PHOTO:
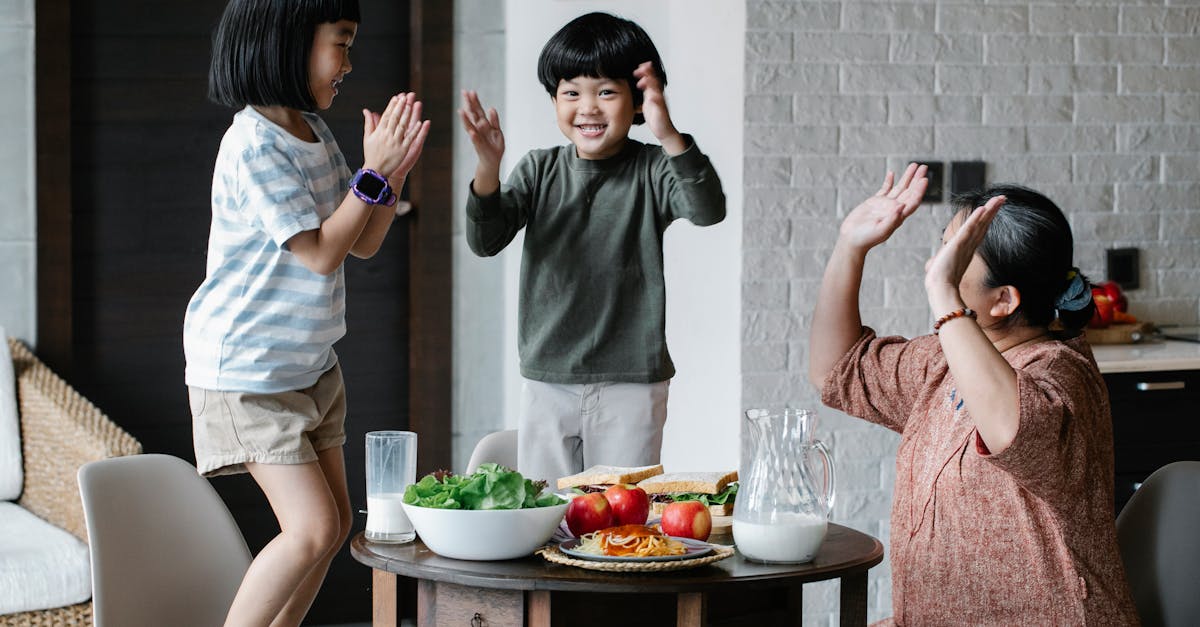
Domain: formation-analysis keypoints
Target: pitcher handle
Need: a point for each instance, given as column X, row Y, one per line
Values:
column 827, row 462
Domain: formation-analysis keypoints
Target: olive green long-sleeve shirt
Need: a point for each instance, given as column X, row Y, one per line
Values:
column 592, row 304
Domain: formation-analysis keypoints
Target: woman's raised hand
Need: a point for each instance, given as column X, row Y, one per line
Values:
column 393, row 140
column 944, row 271
column 873, row 222
column 483, row 129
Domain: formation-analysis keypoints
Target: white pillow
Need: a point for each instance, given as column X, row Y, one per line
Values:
column 41, row 566
column 10, row 427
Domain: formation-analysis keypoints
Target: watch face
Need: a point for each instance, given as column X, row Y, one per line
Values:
column 369, row 186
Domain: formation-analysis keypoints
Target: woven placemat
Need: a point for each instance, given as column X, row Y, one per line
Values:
column 554, row 554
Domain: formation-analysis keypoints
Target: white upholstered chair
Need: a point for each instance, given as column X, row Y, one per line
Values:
column 47, row 431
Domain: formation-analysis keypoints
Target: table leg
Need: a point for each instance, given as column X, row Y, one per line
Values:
column 691, row 609
column 795, row 605
column 426, row 603
column 853, row 609
column 537, row 611
column 383, row 598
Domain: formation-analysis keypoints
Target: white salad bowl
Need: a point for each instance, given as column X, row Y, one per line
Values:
column 485, row 534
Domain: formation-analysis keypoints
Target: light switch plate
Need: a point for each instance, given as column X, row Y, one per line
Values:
column 967, row 176
column 934, row 172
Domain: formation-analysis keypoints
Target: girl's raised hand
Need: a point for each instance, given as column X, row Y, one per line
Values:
column 654, row 102
column 873, row 222
column 483, row 129
column 393, row 140
column 944, row 271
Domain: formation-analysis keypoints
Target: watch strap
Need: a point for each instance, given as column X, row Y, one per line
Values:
column 385, row 195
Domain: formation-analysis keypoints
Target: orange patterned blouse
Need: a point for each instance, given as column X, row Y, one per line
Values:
column 1023, row 537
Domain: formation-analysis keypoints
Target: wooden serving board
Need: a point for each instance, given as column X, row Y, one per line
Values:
column 1119, row 333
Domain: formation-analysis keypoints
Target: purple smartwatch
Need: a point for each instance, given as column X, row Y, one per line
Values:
column 372, row 187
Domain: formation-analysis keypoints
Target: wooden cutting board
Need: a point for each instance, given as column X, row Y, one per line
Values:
column 1119, row 333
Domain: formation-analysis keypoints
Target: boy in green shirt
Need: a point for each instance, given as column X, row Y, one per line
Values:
column 592, row 298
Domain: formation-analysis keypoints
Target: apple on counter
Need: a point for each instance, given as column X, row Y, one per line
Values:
column 1111, row 305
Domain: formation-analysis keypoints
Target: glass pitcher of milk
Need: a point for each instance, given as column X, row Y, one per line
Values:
column 786, row 490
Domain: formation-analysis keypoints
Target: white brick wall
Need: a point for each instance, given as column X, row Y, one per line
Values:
column 478, row 401
column 1095, row 103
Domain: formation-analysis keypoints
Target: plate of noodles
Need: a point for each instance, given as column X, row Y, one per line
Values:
column 633, row 543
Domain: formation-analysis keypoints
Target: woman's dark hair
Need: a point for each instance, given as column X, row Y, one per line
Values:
column 261, row 49
column 1029, row 246
column 599, row 45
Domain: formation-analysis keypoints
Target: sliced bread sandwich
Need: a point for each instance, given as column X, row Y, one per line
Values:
column 716, row 489
column 599, row 478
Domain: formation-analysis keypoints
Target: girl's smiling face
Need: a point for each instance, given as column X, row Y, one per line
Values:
column 329, row 61
column 595, row 114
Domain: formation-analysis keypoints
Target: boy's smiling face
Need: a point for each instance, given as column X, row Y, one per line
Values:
column 595, row 114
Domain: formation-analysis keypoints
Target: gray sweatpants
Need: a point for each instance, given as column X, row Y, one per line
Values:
column 564, row 428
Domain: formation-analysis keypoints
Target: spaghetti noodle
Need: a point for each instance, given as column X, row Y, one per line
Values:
column 630, row 541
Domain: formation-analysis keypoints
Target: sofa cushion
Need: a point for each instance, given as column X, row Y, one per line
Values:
column 41, row 566
column 10, row 427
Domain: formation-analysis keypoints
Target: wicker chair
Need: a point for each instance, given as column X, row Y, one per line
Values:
column 60, row 431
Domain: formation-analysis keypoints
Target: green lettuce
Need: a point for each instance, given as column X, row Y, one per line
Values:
column 491, row 486
column 728, row 493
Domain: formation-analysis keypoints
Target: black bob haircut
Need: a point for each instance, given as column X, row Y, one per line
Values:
column 599, row 45
column 261, row 49
column 1030, row 247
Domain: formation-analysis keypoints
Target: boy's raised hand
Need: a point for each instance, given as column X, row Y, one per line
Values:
column 483, row 129
column 654, row 109
column 393, row 140
column 873, row 222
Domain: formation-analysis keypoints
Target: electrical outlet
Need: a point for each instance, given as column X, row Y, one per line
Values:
column 967, row 176
column 1121, row 266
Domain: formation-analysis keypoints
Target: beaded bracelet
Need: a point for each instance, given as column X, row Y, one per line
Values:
column 957, row 313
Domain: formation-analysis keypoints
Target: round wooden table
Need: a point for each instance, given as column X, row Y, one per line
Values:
column 532, row 591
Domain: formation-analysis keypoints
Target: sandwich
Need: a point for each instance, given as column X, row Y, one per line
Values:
column 599, row 478
column 717, row 490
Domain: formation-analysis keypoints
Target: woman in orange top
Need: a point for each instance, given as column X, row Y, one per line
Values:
column 1002, row 512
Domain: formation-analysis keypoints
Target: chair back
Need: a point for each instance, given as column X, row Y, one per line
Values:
column 165, row 549
column 499, row 447
column 1158, row 531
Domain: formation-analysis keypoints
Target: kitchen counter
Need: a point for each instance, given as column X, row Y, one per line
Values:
column 1150, row 356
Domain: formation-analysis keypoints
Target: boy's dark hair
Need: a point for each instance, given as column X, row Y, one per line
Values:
column 599, row 45
column 261, row 49
column 1029, row 246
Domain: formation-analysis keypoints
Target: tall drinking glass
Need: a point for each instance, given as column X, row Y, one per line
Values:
column 391, row 467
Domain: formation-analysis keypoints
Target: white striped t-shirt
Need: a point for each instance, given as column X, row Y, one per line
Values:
column 261, row 321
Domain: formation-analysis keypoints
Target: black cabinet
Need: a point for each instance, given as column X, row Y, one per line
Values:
column 1156, row 421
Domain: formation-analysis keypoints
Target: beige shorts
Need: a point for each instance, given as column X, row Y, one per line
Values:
column 232, row 428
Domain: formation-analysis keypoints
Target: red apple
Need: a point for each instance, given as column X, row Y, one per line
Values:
column 1113, row 290
column 687, row 519
column 630, row 504
column 588, row 512
column 1103, row 315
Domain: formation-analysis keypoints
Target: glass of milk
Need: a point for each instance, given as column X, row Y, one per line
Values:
column 391, row 467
